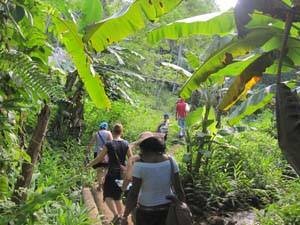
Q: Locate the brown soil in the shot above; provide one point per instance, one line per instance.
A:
(95, 204)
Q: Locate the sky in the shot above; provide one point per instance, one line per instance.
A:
(225, 4)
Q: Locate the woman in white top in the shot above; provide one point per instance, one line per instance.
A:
(151, 183)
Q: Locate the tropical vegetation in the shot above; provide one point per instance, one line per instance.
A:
(67, 65)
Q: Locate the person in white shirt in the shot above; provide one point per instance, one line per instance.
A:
(151, 182)
(98, 140)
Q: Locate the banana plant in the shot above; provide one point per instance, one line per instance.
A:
(267, 33)
(127, 21)
(257, 100)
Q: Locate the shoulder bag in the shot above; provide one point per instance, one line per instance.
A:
(179, 213)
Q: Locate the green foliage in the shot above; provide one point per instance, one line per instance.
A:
(193, 60)
(55, 193)
(207, 24)
(195, 117)
(68, 34)
(92, 12)
(126, 22)
(222, 57)
(240, 170)
(284, 211)
(35, 83)
(252, 104)
(134, 119)
(218, 64)
(4, 188)
(257, 100)
(248, 78)
(237, 169)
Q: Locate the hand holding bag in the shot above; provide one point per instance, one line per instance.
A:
(179, 213)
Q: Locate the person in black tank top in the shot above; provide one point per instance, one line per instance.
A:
(117, 150)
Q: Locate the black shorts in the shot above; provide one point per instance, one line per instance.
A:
(111, 189)
(100, 164)
(151, 217)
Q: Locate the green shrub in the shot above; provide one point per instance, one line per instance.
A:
(244, 169)
(286, 211)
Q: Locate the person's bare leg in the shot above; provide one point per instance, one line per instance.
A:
(111, 205)
(100, 177)
(119, 206)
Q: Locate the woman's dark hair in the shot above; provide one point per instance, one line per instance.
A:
(152, 144)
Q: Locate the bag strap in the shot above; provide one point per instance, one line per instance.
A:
(117, 157)
(172, 175)
(100, 136)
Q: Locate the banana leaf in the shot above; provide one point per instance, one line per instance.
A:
(249, 77)
(223, 57)
(293, 47)
(126, 22)
(256, 101)
(252, 104)
(234, 69)
(221, 23)
(91, 12)
(195, 117)
(193, 60)
(68, 35)
(258, 20)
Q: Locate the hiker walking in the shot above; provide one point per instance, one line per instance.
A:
(151, 182)
(182, 109)
(116, 150)
(163, 127)
(137, 157)
(98, 140)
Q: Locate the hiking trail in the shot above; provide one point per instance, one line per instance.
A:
(97, 209)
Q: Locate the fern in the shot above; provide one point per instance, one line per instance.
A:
(29, 76)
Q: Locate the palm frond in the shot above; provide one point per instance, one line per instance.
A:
(29, 76)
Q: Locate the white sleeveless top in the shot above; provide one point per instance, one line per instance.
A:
(156, 181)
(101, 139)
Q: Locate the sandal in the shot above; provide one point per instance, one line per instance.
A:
(116, 220)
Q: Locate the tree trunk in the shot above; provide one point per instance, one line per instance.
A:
(195, 100)
(189, 164)
(77, 112)
(69, 116)
(33, 151)
(63, 114)
(179, 63)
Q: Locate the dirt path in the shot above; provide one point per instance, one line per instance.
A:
(97, 209)
(95, 204)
